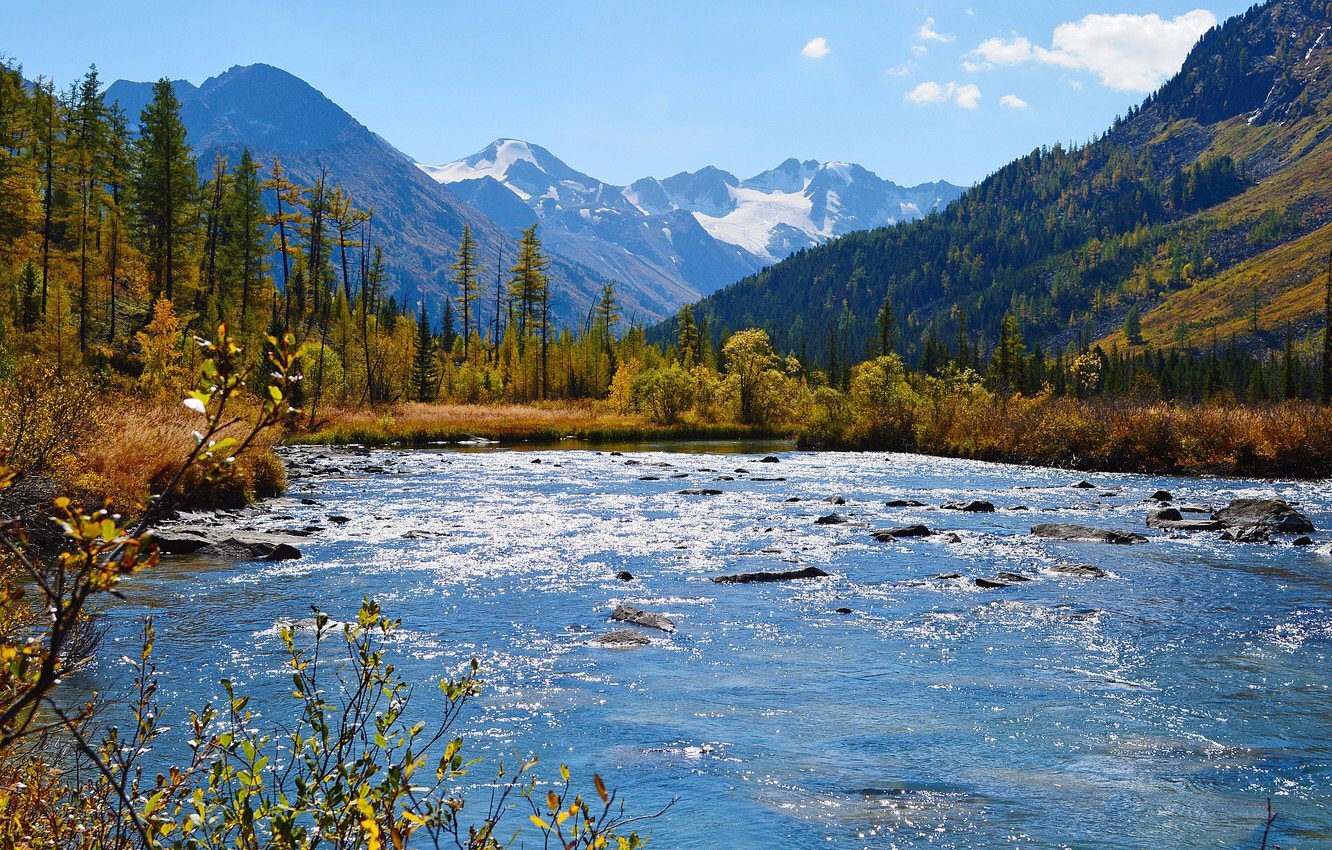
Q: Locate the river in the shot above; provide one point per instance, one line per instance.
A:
(1157, 706)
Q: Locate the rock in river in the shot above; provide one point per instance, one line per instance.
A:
(624, 575)
(629, 614)
(1272, 514)
(783, 575)
(1161, 496)
(224, 544)
(699, 491)
(989, 584)
(1079, 570)
(830, 519)
(903, 503)
(885, 534)
(1083, 533)
(1172, 518)
(975, 506)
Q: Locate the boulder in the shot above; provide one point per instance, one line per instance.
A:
(624, 575)
(1161, 496)
(1012, 577)
(783, 575)
(770, 459)
(649, 478)
(903, 531)
(842, 611)
(830, 519)
(761, 478)
(698, 491)
(1018, 508)
(835, 500)
(1083, 533)
(975, 506)
(1272, 514)
(1078, 570)
(990, 584)
(951, 537)
(338, 519)
(791, 499)
(629, 614)
(1194, 509)
(1084, 485)
(903, 503)
(1302, 541)
(948, 576)
(622, 639)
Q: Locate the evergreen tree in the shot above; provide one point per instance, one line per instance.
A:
(885, 323)
(117, 176)
(687, 337)
(245, 244)
(1008, 366)
(423, 360)
(88, 146)
(448, 330)
(1133, 326)
(467, 276)
(165, 186)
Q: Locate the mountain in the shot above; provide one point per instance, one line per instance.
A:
(1206, 211)
(275, 114)
(692, 233)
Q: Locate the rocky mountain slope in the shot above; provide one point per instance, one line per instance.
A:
(1207, 210)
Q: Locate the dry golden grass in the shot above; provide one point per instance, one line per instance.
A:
(139, 445)
(419, 424)
(1287, 440)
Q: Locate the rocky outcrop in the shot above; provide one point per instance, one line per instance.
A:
(1084, 534)
(783, 575)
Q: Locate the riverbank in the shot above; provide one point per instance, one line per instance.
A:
(419, 425)
(1289, 440)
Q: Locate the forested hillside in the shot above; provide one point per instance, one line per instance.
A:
(1199, 215)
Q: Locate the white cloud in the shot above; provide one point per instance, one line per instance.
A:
(927, 32)
(972, 67)
(1128, 52)
(1012, 101)
(902, 70)
(919, 49)
(815, 48)
(964, 95)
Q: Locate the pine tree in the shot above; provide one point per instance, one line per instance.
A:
(165, 187)
(448, 330)
(528, 281)
(1008, 366)
(423, 360)
(47, 116)
(467, 276)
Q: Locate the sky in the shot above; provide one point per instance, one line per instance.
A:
(915, 91)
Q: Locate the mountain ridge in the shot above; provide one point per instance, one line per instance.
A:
(701, 229)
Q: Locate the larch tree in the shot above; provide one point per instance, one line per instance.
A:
(467, 277)
(286, 219)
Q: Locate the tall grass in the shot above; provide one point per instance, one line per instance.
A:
(138, 446)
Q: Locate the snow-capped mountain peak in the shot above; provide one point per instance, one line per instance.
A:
(753, 222)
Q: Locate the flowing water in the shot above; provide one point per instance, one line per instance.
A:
(1158, 706)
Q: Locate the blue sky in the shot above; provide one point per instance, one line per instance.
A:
(621, 90)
